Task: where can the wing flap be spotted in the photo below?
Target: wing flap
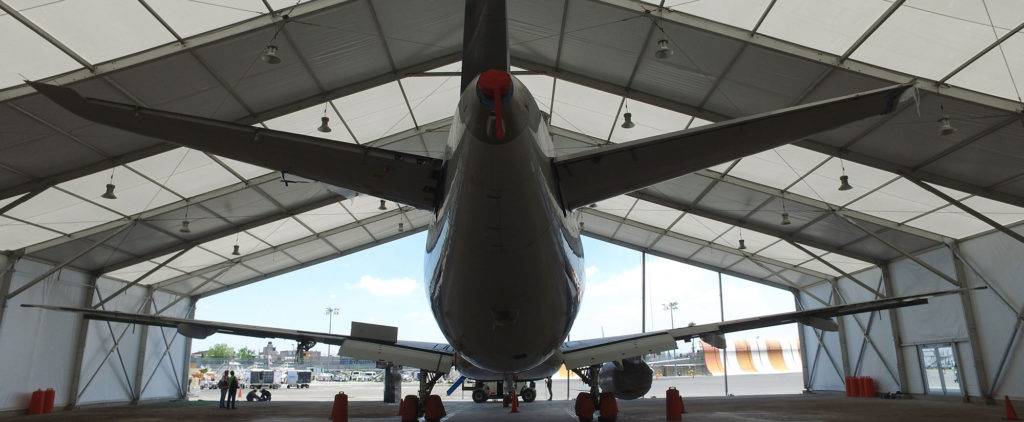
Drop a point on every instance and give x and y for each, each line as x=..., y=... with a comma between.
x=404, y=178
x=594, y=175
x=436, y=357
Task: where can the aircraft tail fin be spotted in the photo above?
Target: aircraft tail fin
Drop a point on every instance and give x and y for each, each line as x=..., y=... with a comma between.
x=484, y=38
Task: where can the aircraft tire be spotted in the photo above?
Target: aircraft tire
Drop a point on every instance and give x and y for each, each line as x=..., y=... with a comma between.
x=479, y=396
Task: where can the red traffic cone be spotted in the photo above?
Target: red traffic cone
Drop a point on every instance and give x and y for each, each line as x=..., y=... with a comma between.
x=339, y=412
x=1011, y=414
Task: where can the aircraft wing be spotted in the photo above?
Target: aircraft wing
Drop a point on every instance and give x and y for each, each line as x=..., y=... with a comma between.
x=591, y=176
x=436, y=357
x=404, y=178
x=583, y=353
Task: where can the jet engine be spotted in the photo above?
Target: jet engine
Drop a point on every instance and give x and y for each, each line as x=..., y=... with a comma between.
x=628, y=379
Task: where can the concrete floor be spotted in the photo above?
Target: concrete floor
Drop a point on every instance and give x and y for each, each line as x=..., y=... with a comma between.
x=763, y=384
x=815, y=407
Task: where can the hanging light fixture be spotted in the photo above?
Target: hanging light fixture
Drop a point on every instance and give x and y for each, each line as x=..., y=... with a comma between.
x=844, y=180
x=743, y=243
x=235, y=251
x=582, y=225
x=945, y=125
x=184, y=227
x=627, y=117
x=270, y=55
x=109, y=193
x=383, y=206
x=323, y=125
x=627, y=120
x=664, y=51
x=401, y=227
x=844, y=183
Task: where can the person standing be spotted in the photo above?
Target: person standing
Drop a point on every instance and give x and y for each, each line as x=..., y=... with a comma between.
x=232, y=390
x=223, y=386
x=547, y=381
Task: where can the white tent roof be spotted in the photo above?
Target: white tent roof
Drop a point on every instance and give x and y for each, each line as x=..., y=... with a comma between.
x=382, y=72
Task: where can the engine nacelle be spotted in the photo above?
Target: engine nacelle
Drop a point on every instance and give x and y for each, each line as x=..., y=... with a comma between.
x=628, y=379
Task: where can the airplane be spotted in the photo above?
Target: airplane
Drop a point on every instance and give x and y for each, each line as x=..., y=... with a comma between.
x=504, y=259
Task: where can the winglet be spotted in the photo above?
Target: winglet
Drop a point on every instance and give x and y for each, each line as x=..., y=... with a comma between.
x=63, y=96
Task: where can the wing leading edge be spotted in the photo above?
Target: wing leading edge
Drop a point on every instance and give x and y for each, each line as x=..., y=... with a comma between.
x=436, y=357
x=404, y=178
x=602, y=173
x=582, y=353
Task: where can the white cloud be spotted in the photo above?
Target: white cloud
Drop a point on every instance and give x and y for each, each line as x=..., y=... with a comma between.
x=591, y=270
x=387, y=287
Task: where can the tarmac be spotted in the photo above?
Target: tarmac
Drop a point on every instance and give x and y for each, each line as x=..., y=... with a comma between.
x=805, y=407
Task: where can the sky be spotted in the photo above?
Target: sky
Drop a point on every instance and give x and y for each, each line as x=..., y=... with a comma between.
x=384, y=285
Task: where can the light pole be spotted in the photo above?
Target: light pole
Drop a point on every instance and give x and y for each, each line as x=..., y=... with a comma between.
x=671, y=308
x=330, y=312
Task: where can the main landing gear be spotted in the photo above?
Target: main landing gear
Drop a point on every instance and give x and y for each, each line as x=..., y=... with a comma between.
x=588, y=403
x=425, y=405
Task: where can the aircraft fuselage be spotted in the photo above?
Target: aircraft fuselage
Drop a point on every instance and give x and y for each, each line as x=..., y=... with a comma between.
x=504, y=262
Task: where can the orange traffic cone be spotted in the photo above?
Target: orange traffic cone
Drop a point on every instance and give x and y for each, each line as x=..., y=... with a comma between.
x=515, y=403
x=1011, y=414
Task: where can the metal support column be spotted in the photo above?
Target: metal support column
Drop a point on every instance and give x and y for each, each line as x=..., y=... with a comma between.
x=6, y=274
x=967, y=301
x=643, y=292
x=803, y=344
x=88, y=296
x=843, y=352
x=187, y=355
x=894, y=326
x=725, y=352
x=140, y=359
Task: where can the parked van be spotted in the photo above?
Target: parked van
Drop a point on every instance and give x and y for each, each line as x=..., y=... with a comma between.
x=298, y=378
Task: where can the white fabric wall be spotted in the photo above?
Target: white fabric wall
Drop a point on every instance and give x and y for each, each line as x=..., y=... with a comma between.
x=824, y=376
x=164, y=380
x=38, y=347
x=883, y=354
x=999, y=260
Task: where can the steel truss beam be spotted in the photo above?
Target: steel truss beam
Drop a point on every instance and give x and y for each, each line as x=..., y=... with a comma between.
x=66, y=263
x=283, y=246
x=721, y=248
x=832, y=61
x=1006, y=230
x=305, y=9
x=301, y=265
x=686, y=261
